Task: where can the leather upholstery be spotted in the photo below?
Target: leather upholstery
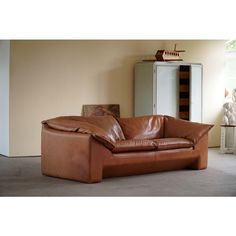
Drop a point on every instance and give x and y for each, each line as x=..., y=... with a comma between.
x=105, y=128
x=144, y=127
x=134, y=163
x=172, y=143
x=133, y=145
x=72, y=155
x=184, y=129
x=88, y=149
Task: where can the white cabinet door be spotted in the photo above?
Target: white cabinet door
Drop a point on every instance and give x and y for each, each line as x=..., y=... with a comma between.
x=196, y=93
x=166, y=90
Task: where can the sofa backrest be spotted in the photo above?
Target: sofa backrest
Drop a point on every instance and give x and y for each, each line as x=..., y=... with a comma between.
x=143, y=127
x=109, y=124
x=108, y=130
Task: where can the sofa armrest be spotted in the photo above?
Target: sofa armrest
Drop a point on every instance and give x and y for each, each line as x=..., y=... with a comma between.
x=178, y=128
x=83, y=127
x=72, y=155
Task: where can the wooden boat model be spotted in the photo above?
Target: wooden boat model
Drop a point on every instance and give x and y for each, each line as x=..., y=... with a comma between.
x=169, y=55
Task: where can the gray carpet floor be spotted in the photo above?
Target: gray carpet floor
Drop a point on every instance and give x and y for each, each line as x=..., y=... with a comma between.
x=21, y=176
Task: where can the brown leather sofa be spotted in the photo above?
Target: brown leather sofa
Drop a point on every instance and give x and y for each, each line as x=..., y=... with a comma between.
x=88, y=149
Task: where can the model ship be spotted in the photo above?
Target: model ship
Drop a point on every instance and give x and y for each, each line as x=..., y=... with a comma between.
x=168, y=55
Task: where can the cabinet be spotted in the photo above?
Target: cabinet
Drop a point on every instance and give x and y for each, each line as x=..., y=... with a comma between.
x=168, y=88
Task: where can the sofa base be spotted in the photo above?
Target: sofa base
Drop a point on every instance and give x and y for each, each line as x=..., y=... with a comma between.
x=135, y=169
x=144, y=163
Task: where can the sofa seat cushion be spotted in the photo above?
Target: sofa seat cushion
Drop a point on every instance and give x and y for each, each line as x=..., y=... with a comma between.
x=143, y=127
x=134, y=145
x=172, y=143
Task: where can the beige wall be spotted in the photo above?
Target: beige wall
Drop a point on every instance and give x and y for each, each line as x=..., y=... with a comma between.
x=53, y=78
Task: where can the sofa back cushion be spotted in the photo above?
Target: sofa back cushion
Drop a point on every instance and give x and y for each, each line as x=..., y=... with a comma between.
x=144, y=127
x=178, y=128
x=109, y=124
